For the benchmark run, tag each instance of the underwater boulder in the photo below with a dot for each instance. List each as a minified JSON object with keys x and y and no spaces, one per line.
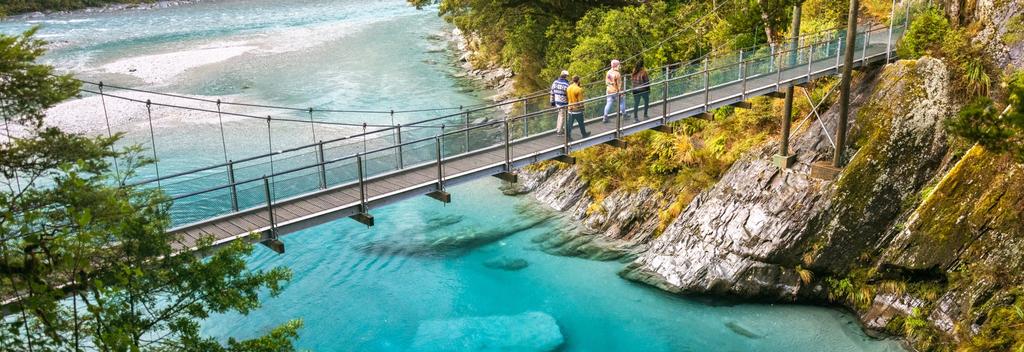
{"x":530,"y":331}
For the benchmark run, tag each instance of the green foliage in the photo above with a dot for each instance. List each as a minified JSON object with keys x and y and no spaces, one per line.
{"x":968,"y":63}
{"x":683,"y":163}
{"x":915,"y":324}
{"x":89,"y":261}
{"x":926,"y":33}
{"x":983,"y":123}
{"x":538,"y":39}
{"x":1014,"y":30}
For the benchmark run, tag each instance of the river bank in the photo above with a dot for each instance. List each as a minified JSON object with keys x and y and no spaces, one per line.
{"x":108,"y":8}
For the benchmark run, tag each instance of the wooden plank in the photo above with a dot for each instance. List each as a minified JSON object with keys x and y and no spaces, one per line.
{"x":283,"y":213}
{"x":226,"y":226}
{"x":305,"y":206}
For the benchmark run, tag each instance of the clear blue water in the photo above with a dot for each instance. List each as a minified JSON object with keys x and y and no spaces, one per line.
{"x":371,"y":289}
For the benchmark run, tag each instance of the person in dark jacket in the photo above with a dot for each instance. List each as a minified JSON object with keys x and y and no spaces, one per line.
{"x":641,"y":89}
{"x":559,"y":99}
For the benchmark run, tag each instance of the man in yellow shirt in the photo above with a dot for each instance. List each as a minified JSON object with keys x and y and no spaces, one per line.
{"x":575,"y":97}
{"x":613,"y":88}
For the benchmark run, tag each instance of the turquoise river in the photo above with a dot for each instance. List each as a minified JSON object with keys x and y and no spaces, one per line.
{"x":383,"y":288}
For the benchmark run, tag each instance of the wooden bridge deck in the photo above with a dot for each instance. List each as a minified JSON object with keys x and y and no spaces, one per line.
{"x":344,"y":201}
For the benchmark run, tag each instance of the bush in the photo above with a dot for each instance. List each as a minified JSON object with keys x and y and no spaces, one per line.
{"x":926,"y":33}
{"x":998,"y":131}
{"x":967,"y":62}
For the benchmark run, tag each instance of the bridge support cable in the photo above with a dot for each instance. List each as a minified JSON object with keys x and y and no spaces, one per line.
{"x":312,"y":125}
{"x":223,"y":139}
{"x":110,"y":133}
{"x":272,"y":242}
{"x":363,"y":216}
{"x":152,"y":140}
{"x":398,"y":142}
{"x":320,"y":160}
{"x":233,"y":186}
{"x":508,"y":175}
{"x":783,"y":159}
{"x":270,"y":148}
{"x":439,"y":193}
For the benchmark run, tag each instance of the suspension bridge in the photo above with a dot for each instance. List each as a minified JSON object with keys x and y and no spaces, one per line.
{"x":350,"y":176}
{"x":263,"y":197}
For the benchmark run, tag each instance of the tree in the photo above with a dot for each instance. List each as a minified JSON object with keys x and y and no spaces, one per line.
{"x":85,"y":264}
{"x":998,"y":130}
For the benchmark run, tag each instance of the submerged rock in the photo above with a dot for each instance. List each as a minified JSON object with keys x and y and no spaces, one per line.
{"x":530,"y":331}
{"x":507,"y":264}
{"x":742,"y":331}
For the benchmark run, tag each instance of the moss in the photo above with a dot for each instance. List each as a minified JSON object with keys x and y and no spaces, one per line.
{"x":1014,"y":30}
{"x":980,"y":188}
{"x":867,"y":200}
{"x":1003,"y":327}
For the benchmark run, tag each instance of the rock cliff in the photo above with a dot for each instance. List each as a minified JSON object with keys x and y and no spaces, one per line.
{"x":916,"y":229}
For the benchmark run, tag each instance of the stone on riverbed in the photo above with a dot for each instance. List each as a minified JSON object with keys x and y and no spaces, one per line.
{"x":507,"y":264}
{"x":530,"y":331}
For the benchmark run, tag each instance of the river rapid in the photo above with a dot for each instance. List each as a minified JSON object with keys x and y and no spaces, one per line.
{"x":466,"y":276}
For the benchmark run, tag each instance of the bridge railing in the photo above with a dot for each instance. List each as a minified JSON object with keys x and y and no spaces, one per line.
{"x":359,"y":159}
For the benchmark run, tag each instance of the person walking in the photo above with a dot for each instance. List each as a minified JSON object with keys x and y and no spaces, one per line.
{"x":559,"y":99}
{"x":613,"y":88}
{"x":641,"y":90}
{"x":575,"y":95}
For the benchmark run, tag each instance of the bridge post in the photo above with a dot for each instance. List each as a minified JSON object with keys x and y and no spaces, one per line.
{"x":323,"y":167}
{"x":270,"y":206}
{"x":888,"y":41}
{"x":707,"y":84}
{"x":273,"y":243}
{"x":743,"y":76}
{"x":784,"y":159}
{"x":864,"y":52}
{"x":844,"y":96}
{"x":664,"y":100}
{"x":526,"y":119}
{"x":398,"y":143}
{"x":824,"y":169}
{"x":508,"y":147}
{"x":740,"y":74}
{"x":844,"y":99}
{"x":839,"y":50}
{"x":810,"y":61}
{"x":234,"y":188}
{"x":363,"y":216}
{"x":439,"y":193}
{"x":466,"y":127}
{"x":618,"y":121}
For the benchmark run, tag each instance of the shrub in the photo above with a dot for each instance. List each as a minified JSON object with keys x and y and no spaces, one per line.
{"x":926,"y":33}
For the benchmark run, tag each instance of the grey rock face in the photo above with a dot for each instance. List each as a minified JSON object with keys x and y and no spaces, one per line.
{"x":744,"y":236}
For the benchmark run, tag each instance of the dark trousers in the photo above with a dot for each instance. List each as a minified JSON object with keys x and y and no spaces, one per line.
{"x":646,"y":96}
{"x":576,"y":117}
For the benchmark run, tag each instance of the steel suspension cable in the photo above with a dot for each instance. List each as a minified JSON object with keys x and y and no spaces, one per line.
{"x":110,"y":134}
{"x":152,"y":139}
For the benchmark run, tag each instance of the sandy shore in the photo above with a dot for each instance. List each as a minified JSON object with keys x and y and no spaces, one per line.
{"x":163,"y":68}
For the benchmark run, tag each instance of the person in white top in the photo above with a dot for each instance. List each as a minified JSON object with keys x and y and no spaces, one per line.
{"x":613,"y":87}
